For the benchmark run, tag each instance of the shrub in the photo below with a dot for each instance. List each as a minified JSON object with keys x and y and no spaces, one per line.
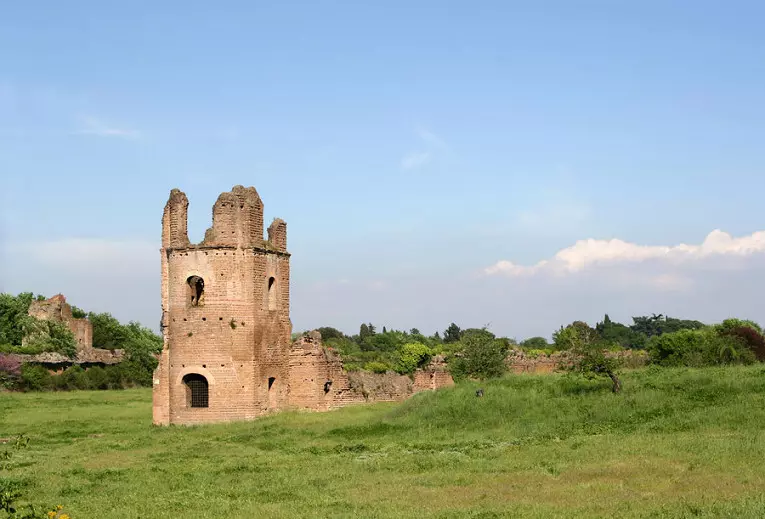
{"x":377,"y":367}
{"x":97,"y":378}
{"x":10,"y":371}
{"x":696,"y":348}
{"x":412,"y":356}
{"x":74,"y":377}
{"x":35,"y":378}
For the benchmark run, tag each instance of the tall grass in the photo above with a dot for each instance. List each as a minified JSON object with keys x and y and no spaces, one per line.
{"x":675,"y":443}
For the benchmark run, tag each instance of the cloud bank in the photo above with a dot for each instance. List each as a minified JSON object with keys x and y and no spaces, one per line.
{"x":586,"y":254}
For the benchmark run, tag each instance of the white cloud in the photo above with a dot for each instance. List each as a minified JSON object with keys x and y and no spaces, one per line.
{"x":588,"y":253}
{"x":95,"y":126}
{"x":415,"y":159}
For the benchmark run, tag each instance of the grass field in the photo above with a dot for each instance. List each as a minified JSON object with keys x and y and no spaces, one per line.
{"x":676,"y":443}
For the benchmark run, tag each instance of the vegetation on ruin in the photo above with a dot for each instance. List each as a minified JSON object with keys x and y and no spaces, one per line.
{"x":676,"y":442}
{"x":139,"y":343}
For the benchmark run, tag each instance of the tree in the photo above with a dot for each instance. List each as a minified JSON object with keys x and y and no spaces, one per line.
{"x":452,"y":333}
{"x":535,"y":343}
{"x":363,"y":332}
{"x":562,"y":338}
{"x":482,"y":355}
{"x":327,"y":333}
{"x":587,"y":355}
{"x":618,"y":333}
{"x":12,"y":311}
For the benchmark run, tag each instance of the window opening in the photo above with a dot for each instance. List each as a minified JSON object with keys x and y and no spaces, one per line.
{"x":196,"y":289}
{"x":197,"y":390}
{"x":272,"y":293}
{"x":271,"y":381}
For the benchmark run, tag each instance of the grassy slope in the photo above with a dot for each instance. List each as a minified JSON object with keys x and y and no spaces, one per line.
{"x":676,"y":443}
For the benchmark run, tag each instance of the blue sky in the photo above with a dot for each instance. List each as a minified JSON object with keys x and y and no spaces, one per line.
{"x":410,"y":146}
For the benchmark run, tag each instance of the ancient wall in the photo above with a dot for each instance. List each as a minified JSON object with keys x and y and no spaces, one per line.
{"x":519,"y":361}
{"x":57,"y":309}
{"x":433,"y":376}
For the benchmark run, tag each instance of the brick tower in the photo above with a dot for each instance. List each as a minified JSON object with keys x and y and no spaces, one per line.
{"x":225,"y":314}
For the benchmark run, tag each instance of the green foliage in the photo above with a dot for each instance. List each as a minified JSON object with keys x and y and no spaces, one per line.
{"x":698,"y":347}
{"x":46,"y":336}
{"x":377,"y":367}
{"x":482,"y":356}
{"x":587,"y":354}
{"x":327,"y":333}
{"x":617,"y":333}
{"x":78,"y":313}
{"x":108,"y":332}
{"x":574,"y":334}
{"x":535,"y":343}
{"x":36,"y":378}
{"x":12,"y":310}
{"x":452,"y":333}
{"x":658,"y":324}
{"x":411,"y":356}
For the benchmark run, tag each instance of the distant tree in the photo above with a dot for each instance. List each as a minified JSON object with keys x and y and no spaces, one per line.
{"x":414,"y":331}
{"x":78,"y":313}
{"x":327,"y":332}
{"x":482,"y":355}
{"x":364,"y":332}
{"x":588,"y":357}
{"x":372,"y":329}
{"x":658,"y":324}
{"x":535,"y":343}
{"x":618,"y":333}
{"x":12,"y":311}
{"x":580,"y":329}
{"x":452,"y":333}
{"x":436,"y":337}
{"x":384,"y":330}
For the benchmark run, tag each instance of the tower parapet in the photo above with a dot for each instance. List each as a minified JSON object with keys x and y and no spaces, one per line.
{"x":237,"y":219}
{"x":175,"y":220}
{"x":277,"y":234}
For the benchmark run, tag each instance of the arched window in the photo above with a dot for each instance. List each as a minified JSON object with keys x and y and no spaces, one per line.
{"x":196,"y":390}
{"x":272,"y":293}
{"x":196,"y":290}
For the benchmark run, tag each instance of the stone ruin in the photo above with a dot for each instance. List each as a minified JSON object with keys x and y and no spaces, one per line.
{"x":57,"y":309}
{"x":228,"y":353}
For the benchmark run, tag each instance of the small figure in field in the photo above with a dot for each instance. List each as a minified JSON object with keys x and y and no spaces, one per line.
{"x":479,"y":393}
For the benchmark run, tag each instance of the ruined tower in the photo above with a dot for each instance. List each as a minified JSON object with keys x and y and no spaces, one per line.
{"x":225,"y":314}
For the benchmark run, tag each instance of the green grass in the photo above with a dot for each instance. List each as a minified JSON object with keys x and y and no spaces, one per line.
{"x":675,"y":443}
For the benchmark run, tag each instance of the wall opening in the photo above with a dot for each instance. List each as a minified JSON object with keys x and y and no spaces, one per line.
{"x":197,"y":390}
{"x":196,"y":290}
{"x":272,"y":399}
{"x":271,"y":381}
{"x":272,"y":293}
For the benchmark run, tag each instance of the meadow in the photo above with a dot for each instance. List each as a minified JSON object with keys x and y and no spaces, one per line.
{"x":677,"y":442}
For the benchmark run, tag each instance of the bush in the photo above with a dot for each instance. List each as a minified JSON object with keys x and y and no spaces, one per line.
{"x":412,"y":356}
{"x":377,"y":367}
{"x":74,"y":377}
{"x":35,"y":378}
{"x":696,"y":348}
{"x":10,"y":372}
